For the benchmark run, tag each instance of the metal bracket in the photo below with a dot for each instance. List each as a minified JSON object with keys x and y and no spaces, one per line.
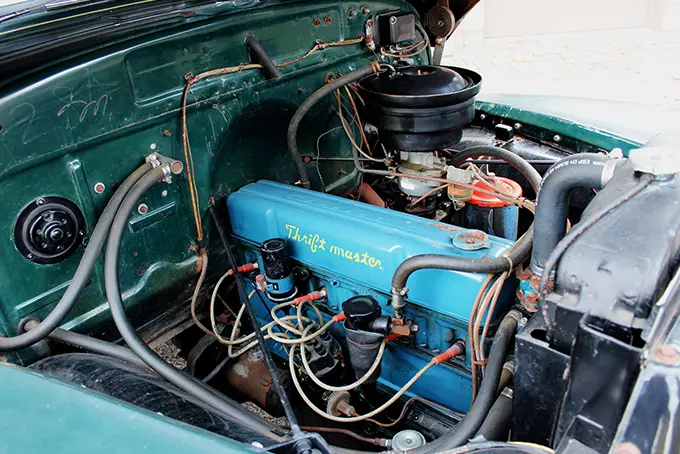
{"x":156,"y":159}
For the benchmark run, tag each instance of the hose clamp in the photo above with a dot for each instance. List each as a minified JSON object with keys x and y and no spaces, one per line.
{"x":170,"y":166}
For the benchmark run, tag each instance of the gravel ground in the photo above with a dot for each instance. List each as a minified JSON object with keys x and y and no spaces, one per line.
{"x":170,"y":353}
{"x":281,"y":422}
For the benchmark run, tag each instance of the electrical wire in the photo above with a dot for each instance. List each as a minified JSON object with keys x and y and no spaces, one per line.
{"x":191,"y":80}
{"x":370,"y":414}
{"x":407,"y":405}
{"x":197,"y":290}
{"x":349,"y":387}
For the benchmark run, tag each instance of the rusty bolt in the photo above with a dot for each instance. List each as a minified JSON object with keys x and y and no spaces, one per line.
{"x":166,"y":133}
{"x":317,"y":22}
{"x":327,"y":20}
{"x":667,"y":354}
{"x":99,"y":188}
{"x":364,"y":10}
{"x":627,"y":448}
{"x":142,"y":208}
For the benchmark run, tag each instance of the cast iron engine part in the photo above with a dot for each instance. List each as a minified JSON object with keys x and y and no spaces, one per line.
{"x":421,"y":108}
{"x":49,"y":230}
{"x":277,"y":268}
{"x":365,"y":329}
{"x":324,"y":356}
{"x":251,"y":377}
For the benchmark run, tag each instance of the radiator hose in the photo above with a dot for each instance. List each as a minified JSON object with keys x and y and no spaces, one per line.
{"x":473,"y":420}
{"x":82,"y":274}
{"x":178,"y":378}
{"x":517,"y":254}
{"x":587,"y":170}
{"x":306,"y":107}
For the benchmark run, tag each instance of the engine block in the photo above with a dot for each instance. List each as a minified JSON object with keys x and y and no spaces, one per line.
{"x":352,"y":248}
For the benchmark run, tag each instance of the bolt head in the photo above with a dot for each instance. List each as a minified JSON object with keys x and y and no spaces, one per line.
{"x":365,"y":10}
{"x":142,"y":208}
{"x":518,"y":126}
{"x":327,"y":20}
{"x":153,"y":146}
{"x":99,"y":188}
{"x":557,"y":137}
{"x":482,"y":116}
{"x":393,"y":20}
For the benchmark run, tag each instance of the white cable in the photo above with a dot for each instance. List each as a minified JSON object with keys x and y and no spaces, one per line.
{"x":349,"y":387}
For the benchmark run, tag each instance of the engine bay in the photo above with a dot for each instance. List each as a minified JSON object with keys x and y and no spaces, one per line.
{"x":341,"y":246}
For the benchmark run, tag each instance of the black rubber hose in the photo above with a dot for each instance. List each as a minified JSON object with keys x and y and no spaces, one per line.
{"x":497,"y":423}
{"x":516,"y":161}
{"x":308,"y":104}
{"x":588,"y":170}
{"x":518,"y":254}
{"x":262,"y":57}
{"x":99,"y":346}
{"x":178,"y":378}
{"x":82,"y":274}
{"x":472,"y":421}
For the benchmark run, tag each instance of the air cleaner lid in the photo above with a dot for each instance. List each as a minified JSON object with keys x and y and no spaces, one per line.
{"x":504,"y":185}
{"x":421,"y":86}
{"x":419,"y":81}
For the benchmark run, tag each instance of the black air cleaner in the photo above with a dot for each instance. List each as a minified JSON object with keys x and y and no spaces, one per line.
{"x":421,"y":108}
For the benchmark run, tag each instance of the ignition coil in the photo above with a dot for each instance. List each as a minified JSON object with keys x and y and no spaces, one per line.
{"x":277,"y":267}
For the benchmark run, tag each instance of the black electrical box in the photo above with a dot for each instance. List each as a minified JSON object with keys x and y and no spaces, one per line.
{"x":393,"y":28}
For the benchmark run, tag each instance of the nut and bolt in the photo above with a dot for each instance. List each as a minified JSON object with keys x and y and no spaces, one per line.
{"x":557,"y":137}
{"x":667,"y":354}
{"x":142,"y":208}
{"x":99,"y":188}
{"x":317,"y":22}
{"x":327,"y":20}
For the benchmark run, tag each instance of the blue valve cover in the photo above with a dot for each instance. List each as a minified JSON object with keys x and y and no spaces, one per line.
{"x":361,"y":242}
